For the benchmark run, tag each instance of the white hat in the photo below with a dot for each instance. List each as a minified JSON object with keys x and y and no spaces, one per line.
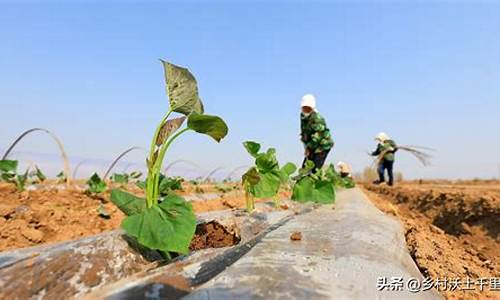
{"x":382,"y":137}
{"x":308,"y":100}
{"x":343,"y":167}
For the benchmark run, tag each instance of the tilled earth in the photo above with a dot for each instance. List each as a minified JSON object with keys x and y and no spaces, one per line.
{"x":452,"y":231}
{"x":53,"y":214}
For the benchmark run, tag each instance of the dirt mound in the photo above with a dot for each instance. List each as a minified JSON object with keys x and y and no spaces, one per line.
{"x":212,"y":235}
{"x":31,"y":218}
{"x":450,"y":234}
{"x":51,"y":214}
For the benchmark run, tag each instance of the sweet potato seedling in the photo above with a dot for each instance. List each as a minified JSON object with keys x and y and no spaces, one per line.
{"x":164,"y":221}
{"x":319,"y":186}
{"x":95,"y":185}
{"x":8,"y":173}
{"x":265,"y":178}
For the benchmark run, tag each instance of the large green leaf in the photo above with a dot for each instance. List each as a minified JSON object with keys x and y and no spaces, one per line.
{"x":319,"y":191}
{"x":287,"y":170}
{"x":182,"y":89}
{"x":252,"y":148}
{"x":168,"y":227}
{"x":168,"y":128}
{"x":268,"y":186}
{"x":128,"y":203}
{"x":8,"y":165}
{"x":251,"y":177}
{"x":210,"y":125}
{"x":267,"y":162}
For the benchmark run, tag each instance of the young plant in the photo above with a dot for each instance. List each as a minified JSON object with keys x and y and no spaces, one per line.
{"x":320,"y":186}
{"x":166,"y":222}
{"x":39,"y":176}
{"x":167,"y":185}
{"x":61,"y":177}
{"x":8,"y":170}
{"x":8,"y":173}
{"x":265,"y":178}
{"x":121,"y":179}
{"x":95,"y":185}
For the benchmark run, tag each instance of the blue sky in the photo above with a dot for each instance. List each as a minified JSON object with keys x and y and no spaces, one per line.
{"x":427,"y":73}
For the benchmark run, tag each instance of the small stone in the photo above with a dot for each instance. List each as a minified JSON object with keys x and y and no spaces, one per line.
{"x":284,"y":206}
{"x":33,"y":235}
{"x":296,"y":236}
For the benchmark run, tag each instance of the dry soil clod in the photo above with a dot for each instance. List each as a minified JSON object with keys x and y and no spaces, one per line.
{"x":296,"y":236}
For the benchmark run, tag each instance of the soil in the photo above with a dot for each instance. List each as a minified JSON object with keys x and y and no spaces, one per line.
{"x":212,"y":235}
{"x":32,"y":218}
{"x":452,"y":229}
{"x":54,"y":214}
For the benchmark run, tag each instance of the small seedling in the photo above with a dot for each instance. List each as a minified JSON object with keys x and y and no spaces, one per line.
{"x":8,"y":173}
{"x":39,"y":175}
{"x":165,"y":221}
{"x":265,"y":178}
{"x":95,"y":185}
{"x":61,"y":177}
{"x":319,"y":186}
{"x":121,"y":179}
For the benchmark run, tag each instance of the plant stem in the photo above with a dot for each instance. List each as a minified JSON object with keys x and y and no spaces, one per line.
{"x":276,"y":200}
{"x":249,"y":199}
{"x":150,"y":178}
{"x":158,"y":163}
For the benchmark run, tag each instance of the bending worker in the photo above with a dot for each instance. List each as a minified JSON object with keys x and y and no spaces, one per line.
{"x":385,"y":152}
{"x":314,"y":133}
{"x":344,"y":169}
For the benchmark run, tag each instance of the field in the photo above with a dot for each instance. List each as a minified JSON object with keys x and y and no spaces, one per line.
{"x":52,"y":213}
{"x":451,"y":228}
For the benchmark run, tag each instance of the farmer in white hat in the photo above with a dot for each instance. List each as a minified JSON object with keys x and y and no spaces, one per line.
{"x":344,"y":169}
{"x":314,"y":133}
{"x":385,"y":153}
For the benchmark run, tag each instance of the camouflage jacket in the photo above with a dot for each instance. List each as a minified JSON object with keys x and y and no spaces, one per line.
{"x":389,"y":145}
{"x":314,"y":133}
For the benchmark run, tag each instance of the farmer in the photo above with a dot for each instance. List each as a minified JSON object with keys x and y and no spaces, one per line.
{"x":385,"y":152}
{"x":344,"y":169}
{"x":314,"y":133}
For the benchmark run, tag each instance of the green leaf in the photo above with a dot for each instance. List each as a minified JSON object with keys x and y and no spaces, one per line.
{"x":251,"y":177}
{"x":169,"y":184}
{"x":128,"y":203}
{"x":96,"y":184}
{"x":120,"y":178}
{"x":182,"y":90}
{"x":41,"y":177}
{"x":267,"y":162}
{"x":168,"y":226}
{"x":210,"y":125}
{"x":21,"y":180}
{"x":268,"y":186}
{"x":252,"y":148}
{"x":287,"y":170}
{"x":307,"y":168}
{"x":168,"y":128}
{"x":135,"y":175}
{"x":319,"y":191}
{"x":8,"y":165}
